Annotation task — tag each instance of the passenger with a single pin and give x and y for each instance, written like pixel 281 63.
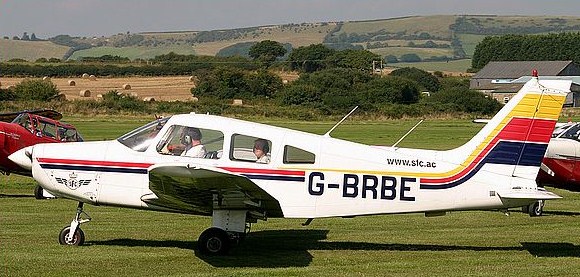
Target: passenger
pixel 191 137
pixel 261 149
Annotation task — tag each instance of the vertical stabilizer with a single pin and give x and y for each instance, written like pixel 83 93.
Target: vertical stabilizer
pixel 514 141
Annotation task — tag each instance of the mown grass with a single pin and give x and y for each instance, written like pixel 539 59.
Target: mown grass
pixel 124 242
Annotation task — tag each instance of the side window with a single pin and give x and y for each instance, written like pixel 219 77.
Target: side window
pixel 293 155
pixel 47 129
pixel 250 149
pixel 192 142
pixel 65 134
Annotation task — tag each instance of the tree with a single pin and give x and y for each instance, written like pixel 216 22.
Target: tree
pixel 410 58
pixel 356 59
pixel 423 78
pixel 267 51
pixel 310 58
pixel 391 59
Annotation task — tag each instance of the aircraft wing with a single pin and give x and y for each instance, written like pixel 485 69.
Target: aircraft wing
pixel 52 114
pixel 199 190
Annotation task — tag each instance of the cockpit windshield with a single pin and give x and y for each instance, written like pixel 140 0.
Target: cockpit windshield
pixel 572 132
pixel 140 138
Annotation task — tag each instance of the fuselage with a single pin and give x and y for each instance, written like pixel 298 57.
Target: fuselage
pixel 310 175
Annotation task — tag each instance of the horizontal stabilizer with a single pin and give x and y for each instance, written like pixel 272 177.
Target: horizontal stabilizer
pixel 538 194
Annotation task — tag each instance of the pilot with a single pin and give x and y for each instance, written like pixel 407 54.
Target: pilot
pixel 261 149
pixel 191 138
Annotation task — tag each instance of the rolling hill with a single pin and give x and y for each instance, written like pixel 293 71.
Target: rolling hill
pixel 432 38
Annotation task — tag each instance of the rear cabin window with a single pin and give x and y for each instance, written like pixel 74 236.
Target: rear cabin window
pixel 192 142
pixel 294 155
pixel 250 149
pixel 47 129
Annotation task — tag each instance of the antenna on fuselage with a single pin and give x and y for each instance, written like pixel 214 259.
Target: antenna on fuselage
pixel 336 125
pixel 405 135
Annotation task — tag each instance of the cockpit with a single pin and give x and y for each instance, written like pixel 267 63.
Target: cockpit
pixel 47 128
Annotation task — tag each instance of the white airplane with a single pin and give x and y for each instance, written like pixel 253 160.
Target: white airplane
pixel 302 175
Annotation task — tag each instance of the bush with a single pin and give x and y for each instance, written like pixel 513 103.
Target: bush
pixel 465 100
pixel 120 101
pixel 35 89
pixel 7 95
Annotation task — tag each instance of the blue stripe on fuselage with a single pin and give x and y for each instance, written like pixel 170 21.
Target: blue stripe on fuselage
pixel 505 152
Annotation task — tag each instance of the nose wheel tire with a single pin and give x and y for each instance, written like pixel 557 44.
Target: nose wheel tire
pixel 214 241
pixel 77 239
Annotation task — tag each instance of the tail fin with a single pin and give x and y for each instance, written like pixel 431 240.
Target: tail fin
pixel 514 141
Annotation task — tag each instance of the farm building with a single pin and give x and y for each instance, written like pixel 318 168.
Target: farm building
pixel 501 80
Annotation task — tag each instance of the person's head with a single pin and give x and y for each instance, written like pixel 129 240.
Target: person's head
pixel 191 135
pixel 261 147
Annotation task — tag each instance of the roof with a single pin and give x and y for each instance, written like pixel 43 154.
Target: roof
pixel 516 69
pixel 524 79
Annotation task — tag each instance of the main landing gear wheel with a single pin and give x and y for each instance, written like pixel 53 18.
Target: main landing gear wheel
pixel 38 192
pixel 536 209
pixel 214 241
pixel 78 238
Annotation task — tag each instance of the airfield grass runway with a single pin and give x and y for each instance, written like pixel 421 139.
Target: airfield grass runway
pixel 125 242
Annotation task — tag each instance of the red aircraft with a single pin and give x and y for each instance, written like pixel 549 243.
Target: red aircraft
pixel 26 128
pixel 561 163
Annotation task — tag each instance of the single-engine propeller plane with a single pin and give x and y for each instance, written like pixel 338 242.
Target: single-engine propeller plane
pixel 26 128
pixel 561 164
pixel 239 172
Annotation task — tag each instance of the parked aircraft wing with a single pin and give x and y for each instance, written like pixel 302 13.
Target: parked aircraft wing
pixel 200 190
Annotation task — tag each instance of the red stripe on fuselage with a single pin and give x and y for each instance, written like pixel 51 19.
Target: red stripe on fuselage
pixel 263 171
pixel 93 163
pixel 517 129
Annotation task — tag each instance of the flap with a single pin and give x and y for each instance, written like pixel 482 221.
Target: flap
pixel 199 190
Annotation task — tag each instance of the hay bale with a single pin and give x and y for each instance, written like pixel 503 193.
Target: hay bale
pixel 285 81
pixel 134 94
pixel 93 78
pixel 10 87
pixel 72 83
pixel 85 93
pixel 238 102
pixel 99 97
pixel 194 99
pixel 46 78
pixel 126 86
pixel 85 76
pixel 149 99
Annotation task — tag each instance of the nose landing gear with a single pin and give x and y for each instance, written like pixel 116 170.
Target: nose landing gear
pixel 73 235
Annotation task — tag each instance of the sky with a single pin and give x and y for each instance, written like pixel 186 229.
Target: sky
pixel 48 18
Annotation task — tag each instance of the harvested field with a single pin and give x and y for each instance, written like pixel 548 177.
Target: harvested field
pixel 160 88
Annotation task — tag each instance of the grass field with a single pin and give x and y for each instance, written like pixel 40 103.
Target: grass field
pixel 30 50
pixel 421 52
pixel 453 67
pixel 124 242
pixel 160 88
pixel 437 26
